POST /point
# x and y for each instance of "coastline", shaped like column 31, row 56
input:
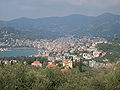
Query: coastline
column 19, row 51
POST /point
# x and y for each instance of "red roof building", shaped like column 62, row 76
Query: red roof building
column 67, row 64
column 64, row 70
column 36, row 63
column 51, row 65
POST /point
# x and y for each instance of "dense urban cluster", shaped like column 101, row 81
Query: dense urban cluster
column 67, row 51
column 72, row 49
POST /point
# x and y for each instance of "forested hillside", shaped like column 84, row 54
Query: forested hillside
column 106, row 25
column 112, row 50
column 25, row 77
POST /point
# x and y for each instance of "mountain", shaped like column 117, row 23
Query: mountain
column 10, row 34
column 106, row 25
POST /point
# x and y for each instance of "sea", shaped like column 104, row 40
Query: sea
column 18, row 52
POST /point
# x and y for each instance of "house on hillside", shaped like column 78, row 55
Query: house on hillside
column 87, row 56
column 36, row 63
column 63, row 70
column 6, row 62
column 51, row 64
column 97, row 53
column 51, row 58
column 13, row 61
column 67, row 64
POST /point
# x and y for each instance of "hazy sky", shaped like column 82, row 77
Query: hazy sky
column 10, row 9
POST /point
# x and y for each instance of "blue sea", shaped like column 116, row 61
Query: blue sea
column 18, row 52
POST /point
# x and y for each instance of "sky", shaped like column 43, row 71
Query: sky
column 11, row 9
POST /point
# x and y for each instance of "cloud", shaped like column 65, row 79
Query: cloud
column 42, row 8
column 77, row 2
column 97, row 3
column 73, row 2
column 24, row 7
column 105, row 3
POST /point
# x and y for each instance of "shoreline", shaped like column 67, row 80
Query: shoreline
column 18, row 52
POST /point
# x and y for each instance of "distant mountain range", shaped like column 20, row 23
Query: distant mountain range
column 106, row 25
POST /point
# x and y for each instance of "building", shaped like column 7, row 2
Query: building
column 51, row 64
column 87, row 56
column 63, row 70
column 36, row 63
column 67, row 64
column 97, row 53
column 51, row 58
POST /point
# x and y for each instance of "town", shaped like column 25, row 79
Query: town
column 65, row 52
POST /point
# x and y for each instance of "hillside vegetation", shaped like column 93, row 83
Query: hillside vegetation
column 112, row 50
column 25, row 77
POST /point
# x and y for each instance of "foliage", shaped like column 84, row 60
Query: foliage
column 26, row 77
column 112, row 50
